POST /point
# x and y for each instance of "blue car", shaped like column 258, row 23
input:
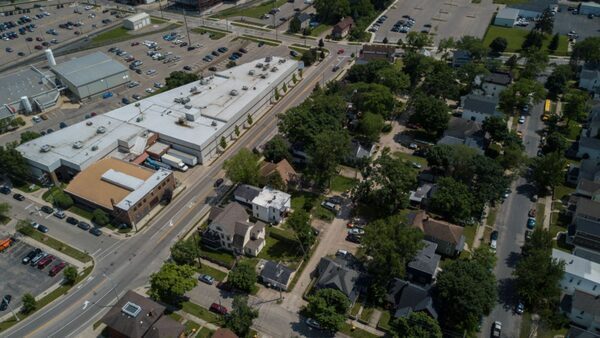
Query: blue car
column 531, row 223
column 107, row 95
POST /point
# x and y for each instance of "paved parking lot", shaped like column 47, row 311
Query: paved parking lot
column 452, row 18
column 55, row 18
column 564, row 22
column 18, row 278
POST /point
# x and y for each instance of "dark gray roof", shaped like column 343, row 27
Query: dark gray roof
column 462, row 128
column 589, row 74
column 461, row 54
column 589, row 142
column 303, row 16
column 89, row 68
column 230, row 216
column 587, row 254
column 246, row 192
column 276, row 272
column 583, row 301
column 407, row 297
column 503, row 79
column 5, row 112
column 165, row 327
column 576, row 332
column 333, row 275
column 426, row 259
column 481, row 104
column 134, row 327
column 588, row 168
column 587, row 208
column 588, row 187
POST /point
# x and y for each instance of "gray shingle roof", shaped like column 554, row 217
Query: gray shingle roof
column 246, row 192
column 426, row 260
column 334, row 275
column 303, row 16
column 276, row 272
column 134, row 327
column 508, row 13
column 230, row 216
column 88, row 68
column 583, row 301
column 503, row 79
column 481, row 104
column 588, row 187
column 406, row 298
column 587, row 208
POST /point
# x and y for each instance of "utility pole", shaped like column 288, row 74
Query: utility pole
column 187, row 32
column 114, row 288
column 12, row 310
column 160, row 8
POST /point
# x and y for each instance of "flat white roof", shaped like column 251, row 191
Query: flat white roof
column 212, row 103
column 142, row 190
column 137, row 17
column 272, row 198
column 578, row 266
column 122, row 180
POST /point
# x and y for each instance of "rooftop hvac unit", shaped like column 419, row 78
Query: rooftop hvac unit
column 101, row 130
column 244, row 87
column 77, row 145
column 251, row 72
column 233, row 92
column 45, row 148
column 268, row 59
column 266, row 66
column 282, row 61
column 94, row 148
column 188, row 106
column 193, row 89
column 274, row 69
column 259, row 65
column 213, row 123
column 139, row 119
column 264, row 75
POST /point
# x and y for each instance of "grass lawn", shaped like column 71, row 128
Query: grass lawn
column 384, row 321
column 48, row 196
column 157, row 21
column 542, row 330
column 516, row 36
column 411, row 158
column 222, row 258
column 320, row 29
column 491, row 219
column 202, row 313
column 191, row 326
column 209, row 270
column 509, row 2
column 300, row 198
column 572, row 130
column 117, row 33
column 251, row 39
column 60, row 246
column 356, row 333
column 254, row 12
column 28, row 187
column 176, row 316
column 280, row 249
column 354, row 309
column 81, row 212
column 322, row 213
column 249, row 25
column 562, row 191
column 366, row 314
column 341, row 183
column 63, row 289
column 469, row 233
column 213, row 33
column 205, row 333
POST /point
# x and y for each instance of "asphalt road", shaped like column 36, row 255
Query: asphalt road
column 132, row 261
column 510, row 224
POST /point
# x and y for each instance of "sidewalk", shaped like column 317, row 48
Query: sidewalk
column 547, row 212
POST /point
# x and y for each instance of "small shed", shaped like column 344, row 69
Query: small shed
column 506, row 17
column 136, row 21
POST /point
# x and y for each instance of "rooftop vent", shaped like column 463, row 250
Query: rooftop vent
column 264, row 75
column 259, row 65
column 188, row 106
column 45, row 148
column 244, row 87
column 94, row 148
column 89, row 123
column 101, row 130
column 266, row 66
column 274, row 69
column 131, row 309
column 282, row 61
column 251, row 72
column 193, row 89
column 233, row 92
column 213, row 123
column 78, row 145
column 268, row 59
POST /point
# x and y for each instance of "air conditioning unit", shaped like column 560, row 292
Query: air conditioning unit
column 101, row 130
column 77, row 145
column 45, row 148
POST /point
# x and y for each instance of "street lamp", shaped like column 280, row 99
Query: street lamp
column 12, row 310
column 114, row 287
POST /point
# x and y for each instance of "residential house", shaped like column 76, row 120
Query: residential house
column 589, row 141
column 304, row 19
column 371, row 52
column 230, row 230
column 589, row 169
column 342, row 28
column 584, row 231
column 423, row 268
column 479, row 107
column 283, row 169
column 449, row 237
column 405, row 298
column 583, row 309
column 580, row 274
column 419, row 198
column 360, row 151
column 589, row 79
column 136, row 316
column 463, row 131
column 335, row 273
column 460, row 58
column 589, row 189
column 496, row 82
column 245, row 193
column 593, row 128
column 577, row 332
column 276, row 275
column 271, row 205
column 224, row 333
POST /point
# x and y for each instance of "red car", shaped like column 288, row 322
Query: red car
column 39, row 39
column 218, row 308
column 57, row 268
column 38, row 47
column 45, row 262
column 135, row 43
column 341, row 51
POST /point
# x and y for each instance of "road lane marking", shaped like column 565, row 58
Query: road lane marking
column 29, row 206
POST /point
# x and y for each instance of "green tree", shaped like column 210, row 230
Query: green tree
column 395, row 80
column 485, row 257
column 536, row 63
column 519, row 94
column 533, row 40
column 417, row 325
column 453, row 199
column 511, row 63
column 498, row 45
column 249, row 120
column 276, row 95
column 12, row 163
column 100, row 217
column 243, row 167
column 441, row 82
column 553, row 46
column 576, row 106
column 62, row 200
column 497, row 128
column 4, row 210
column 240, row 319
column 171, row 282
column 473, row 45
column 466, row 290
column 70, row 274
column 417, row 40
column 309, row 57
column 242, row 276
column 299, row 221
column 431, row 113
column 237, row 131
column 391, row 245
column 295, row 25
column 277, row 149
column 294, row 79
column 558, row 80
column 29, row 303
column 179, row 78
column 538, row 276
column 186, row 252
column 274, row 181
column 331, row 11
column 29, row 135
column 223, row 143
column 373, row 97
column 284, row 88
column 545, row 23
column 417, row 66
column 369, row 127
column 555, row 142
column 547, row 171
column 386, row 184
column 540, row 240
column 326, row 154
column 328, row 307
column 321, row 43
column 587, row 50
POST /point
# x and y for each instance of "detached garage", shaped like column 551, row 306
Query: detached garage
column 91, row 75
column 506, row 17
column 136, row 21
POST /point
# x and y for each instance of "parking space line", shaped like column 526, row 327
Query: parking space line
column 29, row 206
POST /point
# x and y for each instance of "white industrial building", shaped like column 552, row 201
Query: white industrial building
column 91, row 74
column 191, row 118
column 506, row 17
column 136, row 21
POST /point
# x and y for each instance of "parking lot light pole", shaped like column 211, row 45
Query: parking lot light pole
column 12, row 310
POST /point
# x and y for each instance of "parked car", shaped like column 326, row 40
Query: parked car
column 47, row 209
column 218, row 182
column 496, row 329
column 42, row 228
column 353, row 238
column 356, row 231
column 520, row 308
column 329, row 206
column 188, row 68
column 494, row 240
column 206, row 279
column 37, row 258
column 83, row 226
column 313, row 323
column 44, row 262
column 96, row 231
column 125, row 100
column 531, row 212
column 531, row 223
column 60, row 214
column 31, row 255
column 5, row 190
column 521, row 119
column 107, row 95
column 57, row 268
column 218, row 308
column 72, row 220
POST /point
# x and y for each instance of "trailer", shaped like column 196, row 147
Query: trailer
column 188, row 159
column 174, row 162
column 5, row 243
column 155, row 164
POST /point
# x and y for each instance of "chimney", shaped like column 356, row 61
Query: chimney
column 50, row 57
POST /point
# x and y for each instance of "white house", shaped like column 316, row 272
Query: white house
column 580, row 274
column 495, row 83
column 589, row 79
column 271, row 205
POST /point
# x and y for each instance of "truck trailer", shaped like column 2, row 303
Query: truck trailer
column 155, row 164
column 188, row 159
column 174, row 162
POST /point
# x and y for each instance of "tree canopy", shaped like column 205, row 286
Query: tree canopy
column 453, row 199
column 12, row 163
column 328, row 307
column 557, row 81
column 299, row 221
column 576, row 105
column 545, row 23
column 431, row 113
column 473, row 45
column 519, row 94
column 186, row 252
column 417, row 325
column 369, row 127
column 29, row 135
column 240, row 319
column 242, row 276
column 326, row 153
column 547, row 171
column 498, row 45
column 277, row 149
column 587, row 50
column 243, row 167
column 179, row 78
column 171, row 282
